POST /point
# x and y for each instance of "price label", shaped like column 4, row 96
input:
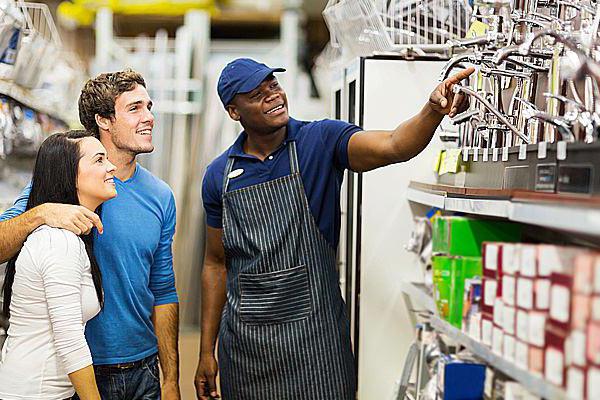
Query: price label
column 542, row 150
column 495, row 154
column 505, row 154
column 561, row 150
column 485, row 155
column 523, row 152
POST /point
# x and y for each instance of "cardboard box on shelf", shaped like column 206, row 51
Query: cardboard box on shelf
column 542, row 294
column 491, row 260
column 536, row 360
column 497, row 340
column 490, row 288
column 555, row 258
column 463, row 236
column 537, row 328
column 528, row 260
column 509, row 285
column 560, row 299
column 595, row 308
column 575, row 348
column 554, row 358
column 522, row 325
column 581, row 308
column 525, row 293
column 499, row 313
column 593, row 342
column 593, row 383
column 576, row 383
column 509, row 319
column 487, row 327
column 508, row 347
column 583, row 280
column 510, row 259
column 522, row 354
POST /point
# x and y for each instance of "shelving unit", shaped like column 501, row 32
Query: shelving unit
column 25, row 97
column 579, row 217
column 534, row 383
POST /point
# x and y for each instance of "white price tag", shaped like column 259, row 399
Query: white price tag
column 475, row 154
column 465, row 154
column 505, row 154
column 542, row 150
column 561, row 150
column 485, row 155
column 495, row 154
column 523, row 152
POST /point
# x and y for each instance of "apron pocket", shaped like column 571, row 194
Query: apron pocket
column 275, row 297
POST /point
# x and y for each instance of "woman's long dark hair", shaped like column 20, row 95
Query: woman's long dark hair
column 55, row 181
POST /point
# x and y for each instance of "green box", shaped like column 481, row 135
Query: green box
column 449, row 275
column 461, row 236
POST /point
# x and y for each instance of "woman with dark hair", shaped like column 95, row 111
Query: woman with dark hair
column 53, row 285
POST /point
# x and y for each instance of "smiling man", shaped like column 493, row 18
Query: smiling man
column 138, row 325
column 269, row 285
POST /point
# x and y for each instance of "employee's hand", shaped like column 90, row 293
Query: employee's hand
column 206, row 377
column 445, row 101
column 76, row 219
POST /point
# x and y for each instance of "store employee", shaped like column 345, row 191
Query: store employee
column 269, row 284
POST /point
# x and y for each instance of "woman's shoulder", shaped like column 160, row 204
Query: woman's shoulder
column 54, row 241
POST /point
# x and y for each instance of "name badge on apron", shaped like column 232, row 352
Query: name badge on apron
column 235, row 173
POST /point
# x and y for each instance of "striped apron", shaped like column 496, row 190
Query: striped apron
column 284, row 331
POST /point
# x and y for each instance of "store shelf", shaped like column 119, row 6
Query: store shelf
column 418, row 293
column 571, row 217
column 535, row 384
column 25, row 97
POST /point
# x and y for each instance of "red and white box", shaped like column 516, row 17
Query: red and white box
column 537, row 328
column 561, row 294
column 553, row 258
column 525, row 293
column 593, row 383
column 522, row 325
column 509, row 319
column 583, row 278
column 487, row 327
column 593, row 342
column 576, row 383
column 528, row 260
column 488, row 297
column 575, row 349
column 536, row 360
column 554, row 360
column 499, row 312
column 509, row 288
column 596, row 279
column 595, row 308
column 542, row 294
column 491, row 259
column 497, row 340
column 581, row 309
column 510, row 259
column 508, row 347
column 522, row 354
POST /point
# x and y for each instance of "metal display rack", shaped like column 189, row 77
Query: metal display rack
column 534, row 383
column 577, row 218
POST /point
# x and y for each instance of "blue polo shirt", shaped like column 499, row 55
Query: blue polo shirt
column 322, row 148
column 135, row 257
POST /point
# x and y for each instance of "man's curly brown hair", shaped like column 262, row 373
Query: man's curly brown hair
column 98, row 96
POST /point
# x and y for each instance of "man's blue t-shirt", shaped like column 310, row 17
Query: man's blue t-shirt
column 322, row 154
column 135, row 257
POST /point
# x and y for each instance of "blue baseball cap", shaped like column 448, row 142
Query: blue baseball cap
column 242, row 75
